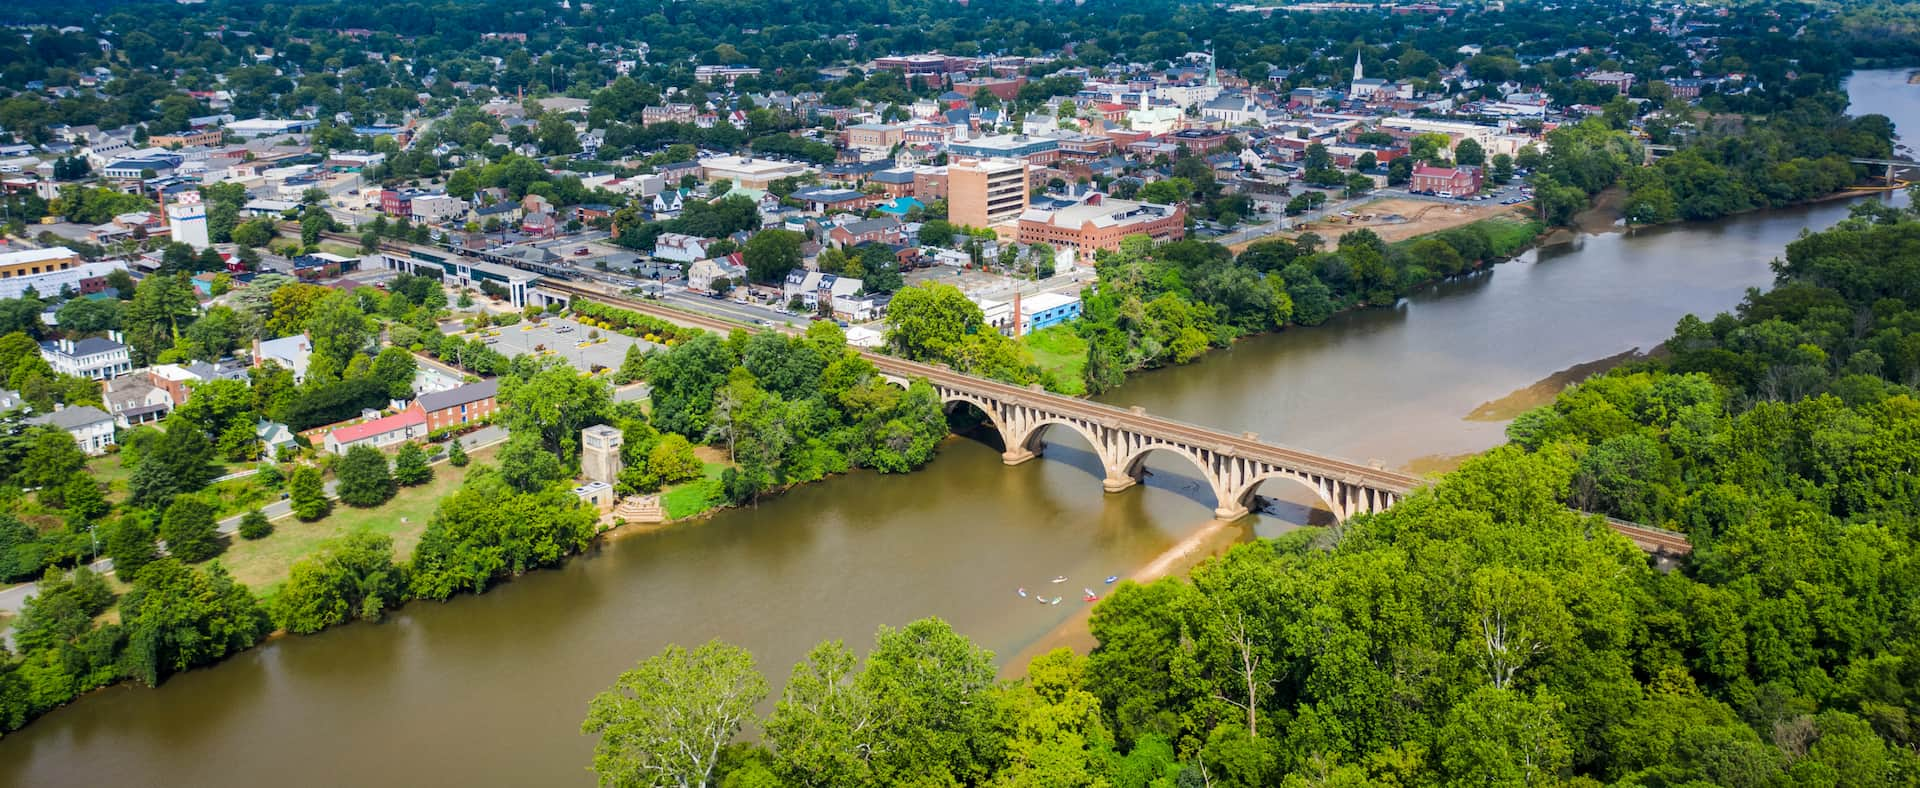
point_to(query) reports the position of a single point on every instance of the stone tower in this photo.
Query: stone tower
(600, 453)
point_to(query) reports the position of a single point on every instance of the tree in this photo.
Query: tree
(943, 715)
(395, 367)
(308, 494)
(353, 576)
(770, 254)
(130, 545)
(528, 466)
(410, 466)
(179, 461)
(927, 322)
(666, 721)
(255, 525)
(177, 617)
(487, 530)
(553, 405)
(362, 477)
(22, 555)
(189, 529)
(457, 454)
(1469, 153)
(52, 458)
(1501, 173)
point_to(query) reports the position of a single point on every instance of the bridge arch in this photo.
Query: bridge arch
(1131, 466)
(1325, 489)
(1029, 438)
(948, 399)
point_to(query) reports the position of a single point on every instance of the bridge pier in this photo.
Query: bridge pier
(1117, 482)
(1017, 455)
(1230, 512)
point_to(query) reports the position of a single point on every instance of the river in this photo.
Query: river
(490, 690)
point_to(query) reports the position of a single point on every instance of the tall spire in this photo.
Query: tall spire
(1213, 67)
(1356, 67)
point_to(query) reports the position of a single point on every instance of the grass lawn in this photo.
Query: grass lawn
(1510, 235)
(1061, 351)
(690, 498)
(263, 564)
(1506, 235)
(108, 469)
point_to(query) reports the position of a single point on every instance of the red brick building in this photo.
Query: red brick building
(464, 405)
(1100, 223)
(1445, 181)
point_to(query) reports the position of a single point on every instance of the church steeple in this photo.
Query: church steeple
(1213, 68)
(1357, 74)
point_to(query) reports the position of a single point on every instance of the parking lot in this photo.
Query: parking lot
(565, 338)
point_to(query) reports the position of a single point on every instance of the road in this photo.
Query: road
(731, 310)
(12, 598)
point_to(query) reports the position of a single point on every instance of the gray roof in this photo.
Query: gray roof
(72, 418)
(84, 347)
(455, 397)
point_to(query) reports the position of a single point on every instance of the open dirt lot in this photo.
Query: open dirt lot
(1416, 217)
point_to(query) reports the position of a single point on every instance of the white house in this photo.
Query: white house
(812, 287)
(290, 352)
(90, 427)
(680, 248)
(702, 274)
(93, 357)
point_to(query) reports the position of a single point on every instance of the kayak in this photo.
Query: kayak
(1023, 593)
(1056, 600)
(1060, 579)
(1112, 578)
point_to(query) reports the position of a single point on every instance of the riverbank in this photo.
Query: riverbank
(1213, 538)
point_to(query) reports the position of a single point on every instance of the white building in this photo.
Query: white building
(188, 218)
(680, 248)
(437, 208)
(94, 358)
(90, 427)
(290, 352)
(753, 173)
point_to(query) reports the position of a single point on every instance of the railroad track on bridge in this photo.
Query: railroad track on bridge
(1649, 539)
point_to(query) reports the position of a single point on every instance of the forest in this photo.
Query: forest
(1484, 631)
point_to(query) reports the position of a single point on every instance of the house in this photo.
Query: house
(178, 380)
(702, 275)
(273, 437)
(90, 427)
(1444, 181)
(680, 248)
(95, 358)
(812, 288)
(884, 230)
(134, 400)
(381, 432)
(861, 308)
(290, 352)
(462, 405)
(667, 204)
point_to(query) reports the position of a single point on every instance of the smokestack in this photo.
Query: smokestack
(1016, 311)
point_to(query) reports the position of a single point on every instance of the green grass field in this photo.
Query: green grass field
(690, 498)
(1061, 352)
(263, 564)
